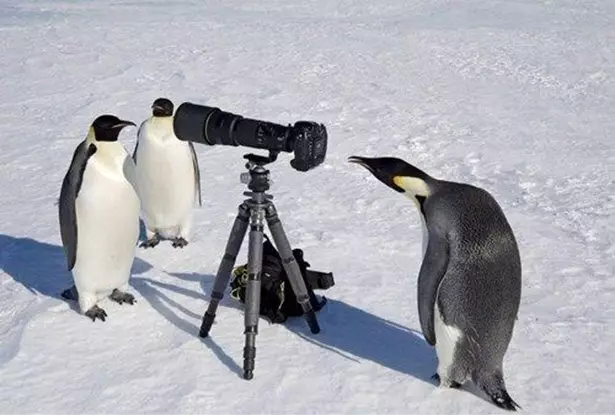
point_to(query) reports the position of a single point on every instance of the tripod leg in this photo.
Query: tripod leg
(253, 292)
(238, 232)
(291, 267)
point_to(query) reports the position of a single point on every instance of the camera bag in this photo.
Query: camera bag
(278, 300)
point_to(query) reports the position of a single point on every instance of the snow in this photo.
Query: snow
(514, 96)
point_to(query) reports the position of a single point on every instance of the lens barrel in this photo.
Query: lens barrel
(212, 126)
(189, 122)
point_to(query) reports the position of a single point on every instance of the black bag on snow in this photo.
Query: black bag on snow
(278, 300)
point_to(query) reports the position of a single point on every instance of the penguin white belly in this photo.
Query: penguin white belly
(166, 180)
(107, 212)
(447, 339)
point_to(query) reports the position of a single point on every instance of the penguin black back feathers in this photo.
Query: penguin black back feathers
(107, 127)
(162, 107)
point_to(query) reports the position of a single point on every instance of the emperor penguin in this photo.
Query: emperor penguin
(168, 176)
(469, 283)
(99, 218)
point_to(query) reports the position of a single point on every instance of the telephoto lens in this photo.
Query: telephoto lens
(212, 126)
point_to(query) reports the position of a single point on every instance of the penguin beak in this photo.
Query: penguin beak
(124, 123)
(157, 107)
(361, 161)
(380, 168)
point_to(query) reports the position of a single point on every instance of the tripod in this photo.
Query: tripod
(255, 211)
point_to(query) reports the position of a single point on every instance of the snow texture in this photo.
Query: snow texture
(513, 96)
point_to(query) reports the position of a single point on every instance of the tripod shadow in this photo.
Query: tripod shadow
(358, 334)
(154, 293)
(345, 329)
(206, 284)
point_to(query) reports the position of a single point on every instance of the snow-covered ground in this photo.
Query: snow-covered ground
(515, 96)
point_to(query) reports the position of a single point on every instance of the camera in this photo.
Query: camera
(212, 126)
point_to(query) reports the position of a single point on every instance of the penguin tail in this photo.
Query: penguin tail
(502, 399)
(493, 386)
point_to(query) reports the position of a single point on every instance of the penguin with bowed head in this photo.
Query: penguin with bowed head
(99, 218)
(168, 176)
(469, 284)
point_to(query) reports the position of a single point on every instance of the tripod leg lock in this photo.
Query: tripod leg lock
(251, 329)
(303, 299)
(229, 257)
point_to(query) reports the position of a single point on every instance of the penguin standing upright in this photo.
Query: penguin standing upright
(168, 176)
(469, 284)
(99, 217)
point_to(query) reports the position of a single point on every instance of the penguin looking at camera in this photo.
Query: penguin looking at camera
(99, 218)
(168, 176)
(469, 284)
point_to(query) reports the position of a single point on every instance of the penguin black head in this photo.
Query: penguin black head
(398, 175)
(107, 127)
(162, 107)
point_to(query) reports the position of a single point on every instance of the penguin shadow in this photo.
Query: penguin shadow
(360, 335)
(41, 267)
(38, 266)
(350, 331)
(154, 293)
(142, 231)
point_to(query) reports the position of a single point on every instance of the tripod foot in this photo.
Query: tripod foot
(310, 316)
(208, 320)
(249, 353)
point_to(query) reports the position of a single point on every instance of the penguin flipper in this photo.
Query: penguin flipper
(197, 172)
(134, 153)
(433, 269)
(68, 195)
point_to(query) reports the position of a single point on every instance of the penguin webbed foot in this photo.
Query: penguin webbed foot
(122, 297)
(96, 312)
(179, 242)
(151, 242)
(449, 384)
